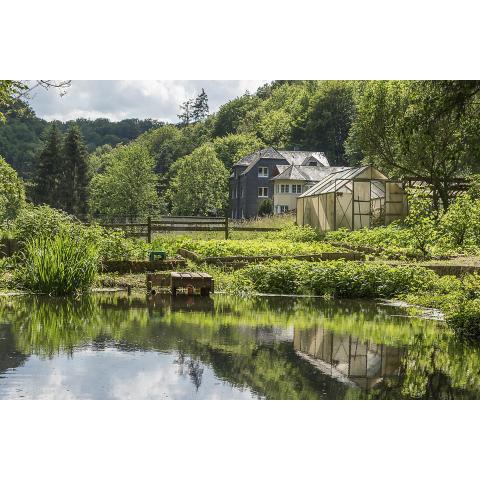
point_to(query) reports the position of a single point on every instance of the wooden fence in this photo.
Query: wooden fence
(182, 224)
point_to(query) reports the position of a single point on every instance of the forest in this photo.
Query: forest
(427, 129)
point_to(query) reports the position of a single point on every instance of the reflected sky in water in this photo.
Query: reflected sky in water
(132, 347)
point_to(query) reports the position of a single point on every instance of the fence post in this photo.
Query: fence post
(149, 229)
(226, 227)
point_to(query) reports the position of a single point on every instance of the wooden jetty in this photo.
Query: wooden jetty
(187, 281)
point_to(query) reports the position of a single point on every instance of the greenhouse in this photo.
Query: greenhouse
(353, 198)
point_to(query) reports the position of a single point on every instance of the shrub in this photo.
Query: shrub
(465, 318)
(58, 265)
(265, 208)
(225, 248)
(335, 278)
(421, 221)
(394, 241)
(296, 233)
(40, 221)
(44, 221)
(12, 192)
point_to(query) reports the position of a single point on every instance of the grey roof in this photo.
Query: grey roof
(305, 172)
(296, 157)
(337, 180)
(300, 157)
(268, 152)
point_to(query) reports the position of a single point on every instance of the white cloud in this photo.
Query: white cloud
(119, 99)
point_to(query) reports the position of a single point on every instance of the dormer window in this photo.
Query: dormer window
(312, 163)
(263, 172)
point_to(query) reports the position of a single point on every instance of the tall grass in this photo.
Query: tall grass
(58, 265)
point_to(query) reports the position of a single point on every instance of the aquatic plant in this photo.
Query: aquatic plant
(58, 265)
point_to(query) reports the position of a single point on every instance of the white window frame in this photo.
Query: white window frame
(262, 190)
(263, 172)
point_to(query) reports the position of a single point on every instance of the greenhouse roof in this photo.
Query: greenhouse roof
(337, 180)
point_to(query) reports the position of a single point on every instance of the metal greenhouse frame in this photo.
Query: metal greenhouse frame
(352, 198)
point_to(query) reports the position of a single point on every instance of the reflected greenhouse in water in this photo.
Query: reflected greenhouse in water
(114, 346)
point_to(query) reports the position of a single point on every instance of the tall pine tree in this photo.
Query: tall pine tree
(74, 175)
(49, 164)
(186, 109)
(200, 107)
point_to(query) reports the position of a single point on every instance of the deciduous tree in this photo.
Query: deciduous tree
(199, 184)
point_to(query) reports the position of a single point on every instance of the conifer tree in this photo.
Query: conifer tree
(74, 175)
(200, 107)
(48, 167)
(186, 112)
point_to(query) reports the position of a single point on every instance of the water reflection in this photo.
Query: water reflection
(348, 359)
(119, 346)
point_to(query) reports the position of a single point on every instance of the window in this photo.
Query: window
(285, 188)
(296, 189)
(277, 188)
(263, 172)
(312, 163)
(263, 192)
(282, 208)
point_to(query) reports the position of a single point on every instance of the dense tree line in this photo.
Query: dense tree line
(22, 134)
(428, 129)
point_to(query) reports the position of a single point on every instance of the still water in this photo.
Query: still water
(126, 347)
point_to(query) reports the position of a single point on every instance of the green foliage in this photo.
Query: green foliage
(113, 245)
(231, 148)
(335, 278)
(12, 192)
(266, 208)
(393, 241)
(48, 169)
(295, 233)
(21, 136)
(73, 182)
(421, 221)
(199, 184)
(39, 221)
(225, 248)
(415, 128)
(59, 265)
(128, 185)
(230, 115)
(460, 225)
(45, 222)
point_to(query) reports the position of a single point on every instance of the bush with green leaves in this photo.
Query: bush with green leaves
(40, 221)
(459, 226)
(266, 208)
(58, 265)
(334, 278)
(12, 192)
(226, 248)
(295, 233)
(393, 241)
(44, 221)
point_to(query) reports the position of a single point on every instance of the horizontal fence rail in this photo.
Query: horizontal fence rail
(179, 224)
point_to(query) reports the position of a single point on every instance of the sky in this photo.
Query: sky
(120, 99)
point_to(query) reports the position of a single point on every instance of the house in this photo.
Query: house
(293, 180)
(251, 181)
(352, 198)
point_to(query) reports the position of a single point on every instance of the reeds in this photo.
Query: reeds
(59, 265)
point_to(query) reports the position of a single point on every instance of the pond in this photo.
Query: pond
(114, 346)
